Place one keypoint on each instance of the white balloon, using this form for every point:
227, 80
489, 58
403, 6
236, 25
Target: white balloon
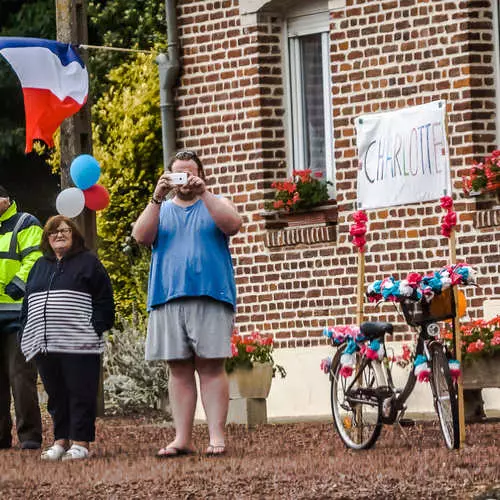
70, 202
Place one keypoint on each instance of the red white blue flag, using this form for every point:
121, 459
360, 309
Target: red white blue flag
55, 83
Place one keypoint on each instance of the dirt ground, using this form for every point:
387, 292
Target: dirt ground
299, 461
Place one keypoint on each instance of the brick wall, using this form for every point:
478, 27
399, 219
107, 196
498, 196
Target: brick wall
384, 55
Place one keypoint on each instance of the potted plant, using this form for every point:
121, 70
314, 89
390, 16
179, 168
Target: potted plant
483, 176
480, 362
300, 195
251, 366
480, 342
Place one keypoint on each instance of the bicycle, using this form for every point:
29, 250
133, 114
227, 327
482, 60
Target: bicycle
367, 398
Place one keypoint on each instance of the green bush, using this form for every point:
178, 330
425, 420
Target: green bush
132, 384
127, 144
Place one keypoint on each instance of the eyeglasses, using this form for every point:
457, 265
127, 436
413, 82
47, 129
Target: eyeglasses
185, 155
64, 231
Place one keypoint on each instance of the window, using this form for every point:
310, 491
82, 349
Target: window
310, 134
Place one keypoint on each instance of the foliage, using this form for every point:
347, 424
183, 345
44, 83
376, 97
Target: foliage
131, 383
484, 176
120, 23
480, 338
302, 191
249, 349
127, 143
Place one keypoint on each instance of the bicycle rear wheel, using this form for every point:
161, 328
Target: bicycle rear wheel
358, 424
445, 397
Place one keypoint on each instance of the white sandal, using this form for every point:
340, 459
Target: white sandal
76, 452
55, 452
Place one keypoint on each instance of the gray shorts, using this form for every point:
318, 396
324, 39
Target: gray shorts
193, 325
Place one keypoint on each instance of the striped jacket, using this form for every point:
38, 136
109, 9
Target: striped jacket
67, 307
20, 235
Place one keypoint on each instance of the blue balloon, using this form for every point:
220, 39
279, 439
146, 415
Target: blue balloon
85, 171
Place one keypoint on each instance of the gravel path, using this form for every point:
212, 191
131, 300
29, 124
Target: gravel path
299, 461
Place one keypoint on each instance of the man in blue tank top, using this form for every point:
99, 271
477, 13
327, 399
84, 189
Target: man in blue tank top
191, 296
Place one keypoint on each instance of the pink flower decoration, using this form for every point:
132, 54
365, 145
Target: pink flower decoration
414, 279
446, 202
346, 371
449, 221
325, 365
451, 218
360, 242
424, 376
360, 216
357, 230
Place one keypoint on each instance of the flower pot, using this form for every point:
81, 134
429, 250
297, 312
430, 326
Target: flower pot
316, 215
482, 373
305, 218
251, 382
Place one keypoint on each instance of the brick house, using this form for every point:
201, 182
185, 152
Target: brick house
268, 86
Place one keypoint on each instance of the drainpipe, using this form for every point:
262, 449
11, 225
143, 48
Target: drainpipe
168, 66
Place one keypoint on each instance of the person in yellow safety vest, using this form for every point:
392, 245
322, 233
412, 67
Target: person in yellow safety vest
20, 235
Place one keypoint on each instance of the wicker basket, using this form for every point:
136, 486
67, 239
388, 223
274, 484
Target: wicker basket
441, 307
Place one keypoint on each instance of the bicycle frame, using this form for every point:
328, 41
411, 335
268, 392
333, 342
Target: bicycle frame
388, 393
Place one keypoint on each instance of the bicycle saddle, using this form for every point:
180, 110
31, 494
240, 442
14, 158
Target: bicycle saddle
376, 329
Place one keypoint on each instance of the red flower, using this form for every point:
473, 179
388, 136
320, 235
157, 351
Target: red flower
476, 346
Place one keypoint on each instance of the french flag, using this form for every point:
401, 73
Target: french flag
55, 83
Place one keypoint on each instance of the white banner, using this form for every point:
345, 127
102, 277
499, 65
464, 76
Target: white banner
403, 156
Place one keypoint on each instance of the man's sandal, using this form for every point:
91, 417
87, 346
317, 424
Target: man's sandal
173, 452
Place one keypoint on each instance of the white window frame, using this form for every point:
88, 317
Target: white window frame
496, 42
315, 21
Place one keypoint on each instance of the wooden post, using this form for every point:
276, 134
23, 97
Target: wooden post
359, 320
76, 131
457, 345
361, 288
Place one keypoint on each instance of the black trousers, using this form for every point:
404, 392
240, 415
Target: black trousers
21, 377
71, 382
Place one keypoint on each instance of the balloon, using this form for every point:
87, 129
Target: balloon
70, 202
96, 197
85, 171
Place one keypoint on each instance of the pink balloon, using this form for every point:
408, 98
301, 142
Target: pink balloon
96, 197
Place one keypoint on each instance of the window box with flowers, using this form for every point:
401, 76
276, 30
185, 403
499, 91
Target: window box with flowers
480, 353
303, 199
483, 176
480, 362
250, 370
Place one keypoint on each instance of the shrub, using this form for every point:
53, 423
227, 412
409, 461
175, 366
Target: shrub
132, 384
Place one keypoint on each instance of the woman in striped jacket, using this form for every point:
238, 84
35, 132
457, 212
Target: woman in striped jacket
67, 306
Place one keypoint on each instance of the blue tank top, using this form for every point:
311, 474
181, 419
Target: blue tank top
190, 257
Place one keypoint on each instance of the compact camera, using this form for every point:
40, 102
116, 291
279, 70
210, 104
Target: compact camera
178, 178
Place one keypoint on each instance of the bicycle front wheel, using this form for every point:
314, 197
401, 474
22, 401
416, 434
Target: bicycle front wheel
445, 397
358, 423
